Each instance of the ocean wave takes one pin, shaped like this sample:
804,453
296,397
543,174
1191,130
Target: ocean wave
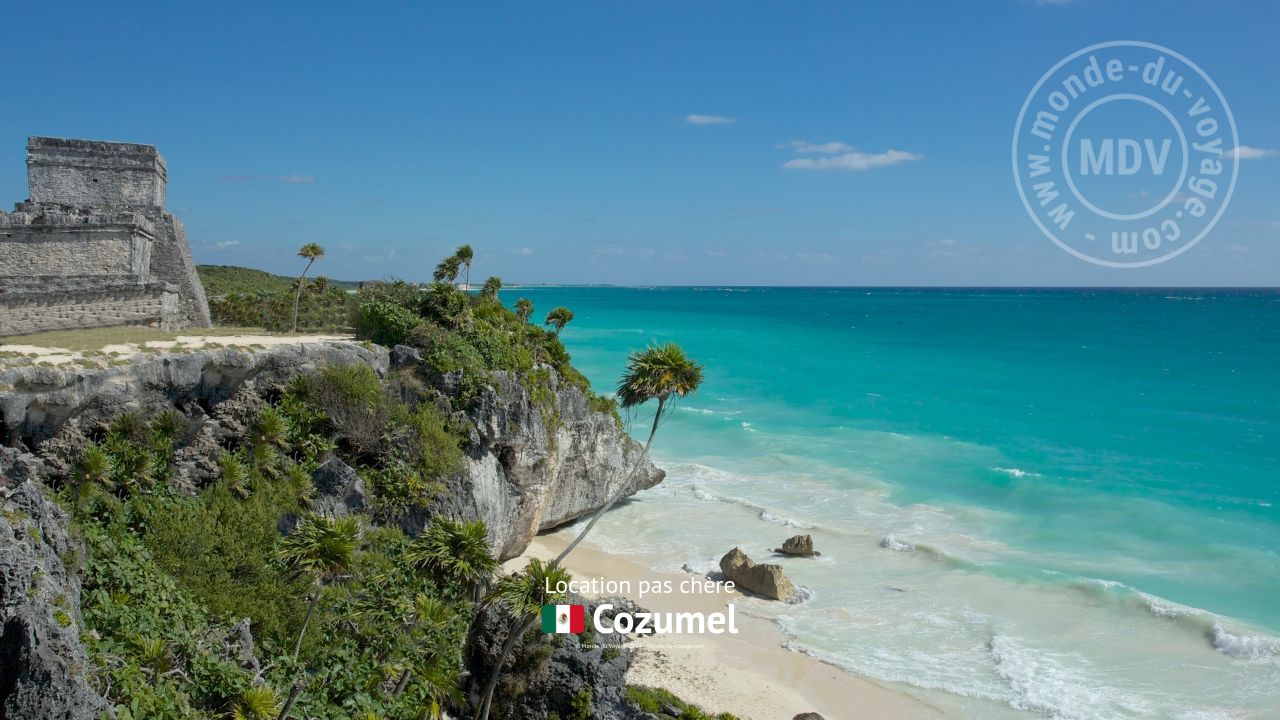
1236,644
747,426
706,411
767,514
890,542
1015,472
784,521
1245,647
1043,683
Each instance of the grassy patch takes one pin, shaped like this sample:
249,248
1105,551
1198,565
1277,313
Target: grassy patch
656,701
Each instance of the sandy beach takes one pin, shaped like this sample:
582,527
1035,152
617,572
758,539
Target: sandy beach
749,674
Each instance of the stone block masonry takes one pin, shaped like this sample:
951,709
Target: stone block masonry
93,246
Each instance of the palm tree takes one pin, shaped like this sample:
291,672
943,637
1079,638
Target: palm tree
464,256
523,593
256,702
323,548
558,318
659,372
311,252
524,308
491,288
448,269
457,551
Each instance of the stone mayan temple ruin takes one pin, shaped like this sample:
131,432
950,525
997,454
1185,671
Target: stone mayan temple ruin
93,245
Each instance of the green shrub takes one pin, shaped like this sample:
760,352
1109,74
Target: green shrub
352,401
581,704
397,487
321,307
653,700
435,442
219,547
385,323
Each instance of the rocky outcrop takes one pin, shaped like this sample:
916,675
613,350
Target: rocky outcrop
798,545
339,490
763,579
808,716
534,465
36,402
42,662
544,674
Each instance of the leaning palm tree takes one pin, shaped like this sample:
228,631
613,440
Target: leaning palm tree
523,594
659,372
524,308
448,269
491,288
558,318
465,256
457,551
311,252
323,548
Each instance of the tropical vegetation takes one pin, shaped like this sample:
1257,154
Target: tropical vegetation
239,598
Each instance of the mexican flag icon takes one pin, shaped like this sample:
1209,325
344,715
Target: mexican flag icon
562,618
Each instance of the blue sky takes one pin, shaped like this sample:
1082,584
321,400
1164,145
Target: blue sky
557,139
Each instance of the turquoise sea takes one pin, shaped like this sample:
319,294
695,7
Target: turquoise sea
1031,503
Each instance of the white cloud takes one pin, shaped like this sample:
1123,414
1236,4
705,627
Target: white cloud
524,251
709,119
853,161
806,147
226,244
1244,152
297,179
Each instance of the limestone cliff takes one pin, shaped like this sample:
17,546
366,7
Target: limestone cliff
532,464
42,663
536,465
535,460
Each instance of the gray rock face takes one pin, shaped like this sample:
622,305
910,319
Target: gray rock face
404,356
808,716
42,662
545,685
534,467
799,545
44,399
340,491
763,579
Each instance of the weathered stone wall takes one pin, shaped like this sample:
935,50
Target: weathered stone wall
94,244
116,247
171,262
86,173
152,305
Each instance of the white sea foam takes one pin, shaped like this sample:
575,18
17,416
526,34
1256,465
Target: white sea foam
1044,683
784,521
1237,644
890,542
1015,472
1246,647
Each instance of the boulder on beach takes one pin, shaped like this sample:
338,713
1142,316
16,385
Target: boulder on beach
799,545
808,716
760,578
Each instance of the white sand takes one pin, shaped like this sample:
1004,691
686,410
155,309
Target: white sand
63,356
749,674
